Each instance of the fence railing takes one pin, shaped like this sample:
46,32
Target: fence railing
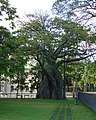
15,95
89,98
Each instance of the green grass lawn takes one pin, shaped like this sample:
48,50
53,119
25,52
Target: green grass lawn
80,111
32,109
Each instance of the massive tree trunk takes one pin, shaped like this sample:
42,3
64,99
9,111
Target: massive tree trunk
51,86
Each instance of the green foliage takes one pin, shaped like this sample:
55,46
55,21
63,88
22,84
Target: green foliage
4,50
12,59
7,12
81,11
48,40
6,39
44,39
91,73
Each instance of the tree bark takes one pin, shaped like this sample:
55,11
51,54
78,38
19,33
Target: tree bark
52,84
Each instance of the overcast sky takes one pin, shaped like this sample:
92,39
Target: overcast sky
28,6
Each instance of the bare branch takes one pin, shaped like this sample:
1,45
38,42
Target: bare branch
74,59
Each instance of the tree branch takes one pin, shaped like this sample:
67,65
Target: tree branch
48,75
74,59
58,50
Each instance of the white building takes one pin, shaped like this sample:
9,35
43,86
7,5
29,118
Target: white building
8,90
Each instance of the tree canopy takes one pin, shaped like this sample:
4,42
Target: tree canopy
53,45
7,12
53,42
82,11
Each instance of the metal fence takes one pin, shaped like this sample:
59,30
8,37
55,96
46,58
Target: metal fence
89,98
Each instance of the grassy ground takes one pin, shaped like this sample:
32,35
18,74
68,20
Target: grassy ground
80,111
32,109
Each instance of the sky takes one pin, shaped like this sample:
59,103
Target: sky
28,6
